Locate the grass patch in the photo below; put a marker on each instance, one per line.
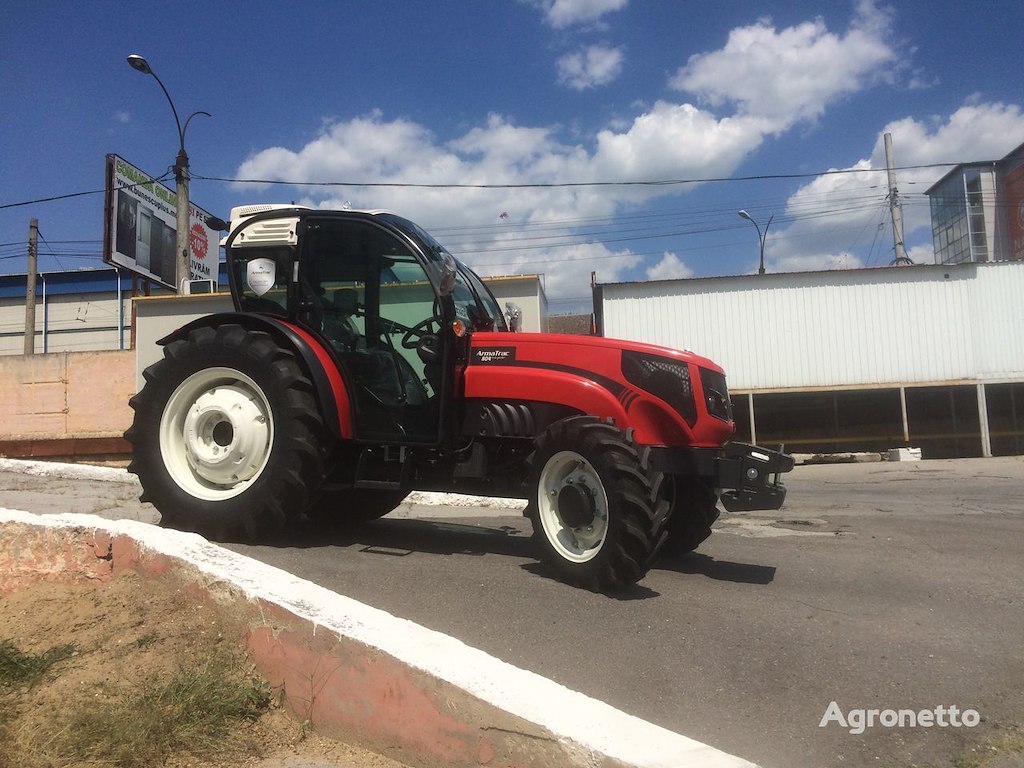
(146, 640)
(18, 668)
(1008, 744)
(198, 710)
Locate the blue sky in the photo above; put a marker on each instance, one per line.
(541, 93)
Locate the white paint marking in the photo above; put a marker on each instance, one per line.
(588, 723)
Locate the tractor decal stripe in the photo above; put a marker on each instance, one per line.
(626, 397)
(603, 381)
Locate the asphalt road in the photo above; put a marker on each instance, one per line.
(878, 586)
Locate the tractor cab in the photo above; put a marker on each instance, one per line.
(386, 301)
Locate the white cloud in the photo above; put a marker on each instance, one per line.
(922, 254)
(675, 141)
(833, 215)
(590, 67)
(571, 275)
(841, 211)
(566, 13)
(669, 268)
(791, 74)
(813, 262)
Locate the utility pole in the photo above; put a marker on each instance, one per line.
(182, 261)
(895, 208)
(30, 288)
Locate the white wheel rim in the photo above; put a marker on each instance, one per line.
(580, 544)
(216, 433)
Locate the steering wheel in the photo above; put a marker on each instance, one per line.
(413, 335)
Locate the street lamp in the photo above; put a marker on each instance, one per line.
(182, 269)
(760, 235)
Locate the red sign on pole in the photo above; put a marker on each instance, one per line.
(1014, 187)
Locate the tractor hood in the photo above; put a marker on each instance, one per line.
(665, 395)
(537, 346)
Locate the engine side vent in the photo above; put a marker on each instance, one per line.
(507, 420)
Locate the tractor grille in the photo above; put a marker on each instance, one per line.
(663, 377)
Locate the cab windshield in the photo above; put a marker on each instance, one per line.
(474, 303)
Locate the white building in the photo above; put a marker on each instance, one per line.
(930, 356)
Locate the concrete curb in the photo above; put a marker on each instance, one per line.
(389, 683)
(120, 475)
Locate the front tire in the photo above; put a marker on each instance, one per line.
(594, 511)
(227, 439)
(694, 505)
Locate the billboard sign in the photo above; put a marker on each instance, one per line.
(140, 228)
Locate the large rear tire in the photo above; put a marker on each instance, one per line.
(594, 511)
(227, 437)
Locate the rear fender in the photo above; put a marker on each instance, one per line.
(331, 395)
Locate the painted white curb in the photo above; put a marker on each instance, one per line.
(115, 474)
(589, 724)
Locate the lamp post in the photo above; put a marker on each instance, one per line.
(760, 235)
(182, 268)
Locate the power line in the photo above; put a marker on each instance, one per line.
(69, 195)
(51, 253)
(568, 184)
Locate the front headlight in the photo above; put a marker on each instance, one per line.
(716, 394)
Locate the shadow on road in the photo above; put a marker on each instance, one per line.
(399, 537)
(720, 570)
(402, 537)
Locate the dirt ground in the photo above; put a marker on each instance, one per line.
(131, 630)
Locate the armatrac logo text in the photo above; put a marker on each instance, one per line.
(494, 355)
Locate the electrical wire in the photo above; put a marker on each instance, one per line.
(569, 184)
(69, 195)
(51, 253)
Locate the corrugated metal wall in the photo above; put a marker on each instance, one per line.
(71, 323)
(867, 327)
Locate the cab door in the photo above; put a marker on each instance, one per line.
(364, 290)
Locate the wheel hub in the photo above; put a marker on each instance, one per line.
(576, 505)
(573, 506)
(226, 435)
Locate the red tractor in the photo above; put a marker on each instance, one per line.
(363, 361)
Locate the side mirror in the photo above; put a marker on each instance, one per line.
(448, 271)
(515, 316)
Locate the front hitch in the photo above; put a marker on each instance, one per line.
(749, 477)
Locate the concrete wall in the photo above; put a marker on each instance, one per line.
(157, 316)
(65, 403)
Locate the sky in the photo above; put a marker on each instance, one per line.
(552, 137)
